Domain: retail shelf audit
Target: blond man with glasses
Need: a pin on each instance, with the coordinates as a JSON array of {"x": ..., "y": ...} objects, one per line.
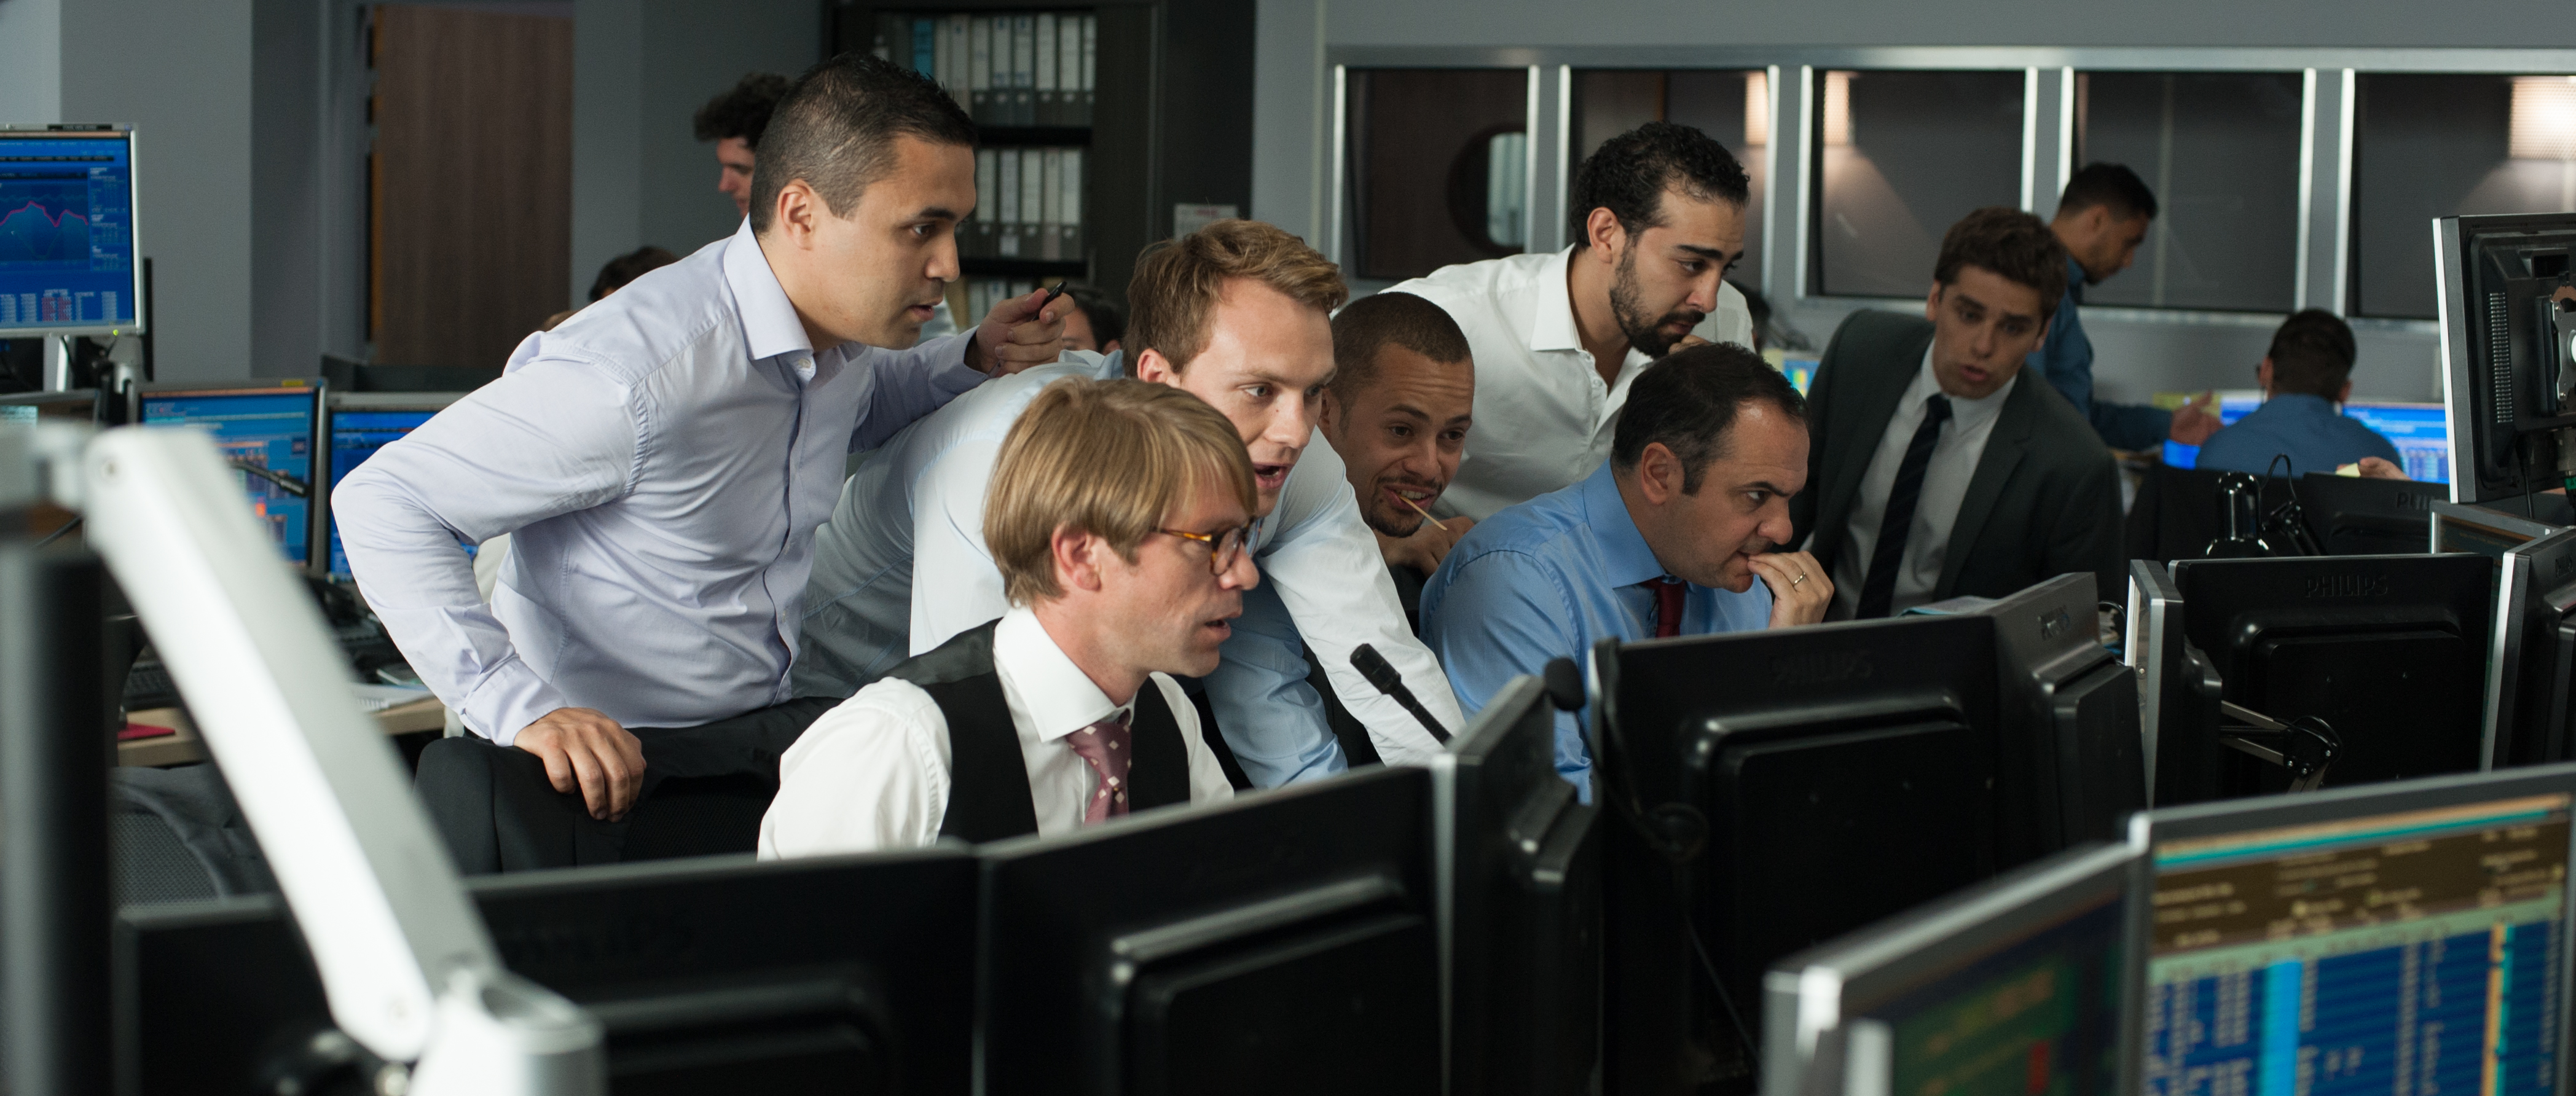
[{"x": 1117, "y": 517}]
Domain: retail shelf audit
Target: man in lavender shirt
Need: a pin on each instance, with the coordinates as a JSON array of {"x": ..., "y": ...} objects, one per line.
[{"x": 663, "y": 458}]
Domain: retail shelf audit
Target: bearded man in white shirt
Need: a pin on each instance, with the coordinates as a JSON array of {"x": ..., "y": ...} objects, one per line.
[
  {"x": 1118, "y": 516},
  {"x": 1657, "y": 218}
]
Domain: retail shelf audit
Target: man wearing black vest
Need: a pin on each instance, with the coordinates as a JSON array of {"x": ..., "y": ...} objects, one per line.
[
  {"x": 1935, "y": 468},
  {"x": 1117, "y": 517}
]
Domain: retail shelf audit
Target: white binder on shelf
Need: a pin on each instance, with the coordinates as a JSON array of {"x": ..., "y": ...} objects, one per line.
[
  {"x": 1024, "y": 76},
  {"x": 1090, "y": 69},
  {"x": 978, "y": 240},
  {"x": 1046, "y": 57},
  {"x": 1032, "y": 197},
  {"x": 979, "y": 68},
  {"x": 1009, "y": 244},
  {"x": 1069, "y": 199},
  {"x": 1050, "y": 202}
]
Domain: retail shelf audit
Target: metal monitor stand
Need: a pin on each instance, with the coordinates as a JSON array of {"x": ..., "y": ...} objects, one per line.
[{"x": 406, "y": 963}]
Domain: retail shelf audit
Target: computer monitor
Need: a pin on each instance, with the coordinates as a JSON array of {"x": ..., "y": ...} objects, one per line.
[
  {"x": 2178, "y": 692},
  {"x": 829, "y": 975},
  {"x": 2390, "y": 651},
  {"x": 1286, "y": 942},
  {"x": 2018, "y": 985},
  {"x": 2528, "y": 717},
  {"x": 359, "y": 424},
  {"x": 2408, "y": 937},
  {"x": 2420, "y": 431},
  {"x": 80, "y": 405},
  {"x": 2490, "y": 532},
  {"x": 1770, "y": 791},
  {"x": 68, "y": 261},
  {"x": 2355, "y": 516},
  {"x": 2233, "y": 404},
  {"x": 1521, "y": 890},
  {"x": 2507, "y": 371},
  {"x": 262, "y": 427},
  {"x": 2070, "y": 727}
]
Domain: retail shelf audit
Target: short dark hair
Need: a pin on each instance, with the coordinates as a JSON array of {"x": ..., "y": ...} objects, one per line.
[
  {"x": 1688, "y": 401},
  {"x": 1108, "y": 321},
  {"x": 628, "y": 267},
  {"x": 836, "y": 129},
  {"x": 1372, "y": 323},
  {"x": 743, "y": 110},
  {"x": 2008, "y": 243},
  {"x": 2312, "y": 354},
  {"x": 1629, "y": 174},
  {"x": 2113, "y": 185}
]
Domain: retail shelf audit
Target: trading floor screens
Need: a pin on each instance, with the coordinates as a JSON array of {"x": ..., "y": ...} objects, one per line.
[{"x": 266, "y": 432}]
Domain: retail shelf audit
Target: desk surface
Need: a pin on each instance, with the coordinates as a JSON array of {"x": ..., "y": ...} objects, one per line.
[{"x": 185, "y": 747}]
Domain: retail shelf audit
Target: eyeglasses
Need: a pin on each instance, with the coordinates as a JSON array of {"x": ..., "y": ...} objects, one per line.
[{"x": 1222, "y": 547}]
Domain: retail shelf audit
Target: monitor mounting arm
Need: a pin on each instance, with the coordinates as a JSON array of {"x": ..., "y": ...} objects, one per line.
[
  {"x": 2305, "y": 746},
  {"x": 405, "y": 960}
]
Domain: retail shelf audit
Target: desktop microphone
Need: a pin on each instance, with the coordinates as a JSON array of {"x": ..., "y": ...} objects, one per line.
[{"x": 1374, "y": 667}]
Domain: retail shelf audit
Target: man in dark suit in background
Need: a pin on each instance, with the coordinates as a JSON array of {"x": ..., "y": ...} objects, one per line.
[{"x": 1934, "y": 468}]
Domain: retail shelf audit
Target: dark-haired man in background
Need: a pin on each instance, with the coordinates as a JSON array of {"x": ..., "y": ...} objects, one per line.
[
  {"x": 2306, "y": 373},
  {"x": 1096, "y": 323},
  {"x": 1937, "y": 471},
  {"x": 734, "y": 121},
  {"x": 1398, "y": 411},
  {"x": 1666, "y": 538},
  {"x": 2101, "y": 219},
  {"x": 666, "y": 454},
  {"x": 1657, "y": 216}
]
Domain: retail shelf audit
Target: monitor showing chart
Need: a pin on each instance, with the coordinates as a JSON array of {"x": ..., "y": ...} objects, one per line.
[
  {"x": 260, "y": 429},
  {"x": 356, "y": 434},
  {"x": 2416, "y": 951},
  {"x": 2420, "y": 431},
  {"x": 67, "y": 244}
]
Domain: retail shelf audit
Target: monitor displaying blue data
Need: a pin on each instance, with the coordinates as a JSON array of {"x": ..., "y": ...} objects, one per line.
[
  {"x": 2416, "y": 952},
  {"x": 67, "y": 248},
  {"x": 2420, "y": 431},
  {"x": 260, "y": 429},
  {"x": 355, "y": 436}
]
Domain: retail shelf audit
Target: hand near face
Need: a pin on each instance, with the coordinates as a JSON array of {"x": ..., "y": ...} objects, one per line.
[
  {"x": 1017, "y": 334},
  {"x": 587, "y": 752},
  {"x": 1428, "y": 545},
  {"x": 2193, "y": 423},
  {"x": 1795, "y": 600}
]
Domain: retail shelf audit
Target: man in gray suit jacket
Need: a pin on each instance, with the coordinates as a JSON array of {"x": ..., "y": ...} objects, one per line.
[{"x": 1934, "y": 469}]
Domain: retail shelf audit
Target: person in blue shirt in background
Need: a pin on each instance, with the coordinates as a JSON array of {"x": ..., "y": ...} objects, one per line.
[
  {"x": 1665, "y": 538},
  {"x": 2102, "y": 218},
  {"x": 2305, "y": 376}
]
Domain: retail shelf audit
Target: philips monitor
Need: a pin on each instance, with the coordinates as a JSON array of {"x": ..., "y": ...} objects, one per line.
[
  {"x": 2354, "y": 516},
  {"x": 267, "y": 430},
  {"x": 1283, "y": 943},
  {"x": 2018, "y": 985},
  {"x": 2487, "y": 531},
  {"x": 2508, "y": 313},
  {"x": 359, "y": 424},
  {"x": 2532, "y": 658},
  {"x": 2178, "y": 692},
  {"x": 1766, "y": 792},
  {"x": 2070, "y": 727},
  {"x": 2401, "y": 938},
  {"x": 829, "y": 975},
  {"x": 2390, "y": 651},
  {"x": 68, "y": 257},
  {"x": 1521, "y": 887}
]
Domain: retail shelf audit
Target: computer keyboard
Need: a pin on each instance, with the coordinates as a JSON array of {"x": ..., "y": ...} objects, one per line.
[
  {"x": 148, "y": 685},
  {"x": 363, "y": 644}
]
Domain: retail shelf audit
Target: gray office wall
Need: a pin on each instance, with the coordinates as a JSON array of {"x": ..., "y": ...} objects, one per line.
[
  {"x": 2135, "y": 358},
  {"x": 31, "y": 61}
]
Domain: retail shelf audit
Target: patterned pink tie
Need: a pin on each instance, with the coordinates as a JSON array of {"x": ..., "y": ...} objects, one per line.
[{"x": 1105, "y": 745}]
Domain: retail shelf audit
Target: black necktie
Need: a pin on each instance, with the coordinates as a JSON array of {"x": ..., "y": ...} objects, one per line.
[{"x": 1878, "y": 591}]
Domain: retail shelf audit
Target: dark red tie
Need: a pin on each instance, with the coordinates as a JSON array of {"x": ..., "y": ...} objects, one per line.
[{"x": 1668, "y": 606}]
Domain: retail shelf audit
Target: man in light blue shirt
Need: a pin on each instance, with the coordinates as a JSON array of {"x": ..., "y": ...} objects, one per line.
[
  {"x": 1235, "y": 314},
  {"x": 2305, "y": 374},
  {"x": 663, "y": 457},
  {"x": 1666, "y": 538}
]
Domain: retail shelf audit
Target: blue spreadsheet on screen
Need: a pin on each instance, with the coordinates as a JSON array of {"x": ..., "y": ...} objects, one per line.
[
  {"x": 66, "y": 232},
  {"x": 355, "y": 436},
  {"x": 2415, "y": 953},
  {"x": 2420, "y": 431},
  {"x": 269, "y": 428}
]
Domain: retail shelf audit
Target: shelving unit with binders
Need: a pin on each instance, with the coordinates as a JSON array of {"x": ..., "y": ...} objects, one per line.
[{"x": 1094, "y": 122}]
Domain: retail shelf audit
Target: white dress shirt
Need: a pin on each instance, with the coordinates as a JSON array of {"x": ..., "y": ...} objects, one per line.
[
  {"x": 902, "y": 566},
  {"x": 1945, "y": 486},
  {"x": 1544, "y": 419},
  {"x": 662, "y": 459},
  {"x": 873, "y": 773}
]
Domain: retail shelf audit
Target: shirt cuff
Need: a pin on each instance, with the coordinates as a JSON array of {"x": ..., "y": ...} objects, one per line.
[
  {"x": 956, "y": 377},
  {"x": 507, "y": 700}
]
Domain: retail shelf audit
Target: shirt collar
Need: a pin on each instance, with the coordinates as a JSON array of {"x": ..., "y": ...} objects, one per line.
[
  {"x": 1964, "y": 412},
  {"x": 1056, "y": 695},
  {"x": 1553, "y": 328},
  {"x": 769, "y": 324},
  {"x": 1625, "y": 558},
  {"x": 2301, "y": 403}
]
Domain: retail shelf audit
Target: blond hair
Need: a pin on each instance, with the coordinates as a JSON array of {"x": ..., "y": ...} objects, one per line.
[
  {"x": 1172, "y": 299},
  {"x": 1111, "y": 458}
]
